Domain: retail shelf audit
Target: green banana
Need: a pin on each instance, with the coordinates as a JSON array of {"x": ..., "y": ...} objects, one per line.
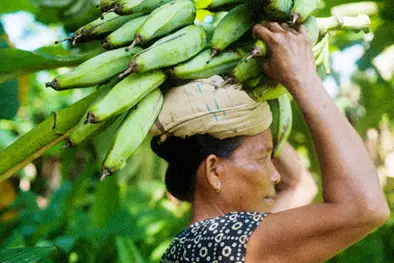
[
  {"x": 99, "y": 27},
  {"x": 170, "y": 50},
  {"x": 107, "y": 5},
  {"x": 219, "y": 5},
  {"x": 278, "y": 9},
  {"x": 282, "y": 122},
  {"x": 197, "y": 67},
  {"x": 263, "y": 92},
  {"x": 165, "y": 19},
  {"x": 83, "y": 130},
  {"x": 236, "y": 23},
  {"x": 246, "y": 69},
  {"x": 132, "y": 132},
  {"x": 94, "y": 71},
  {"x": 123, "y": 35},
  {"x": 125, "y": 95},
  {"x": 125, "y": 7},
  {"x": 302, "y": 9}
]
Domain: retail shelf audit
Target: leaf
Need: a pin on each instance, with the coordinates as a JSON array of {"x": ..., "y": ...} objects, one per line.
[
  {"x": 11, "y": 6},
  {"x": 21, "y": 62},
  {"x": 41, "y": 138},
  {"x": 9, "y": 102},
  {"x": 106, "y": 203},
  {"x": 127, "y": 251},
  {"x": 25, "y": 255}
]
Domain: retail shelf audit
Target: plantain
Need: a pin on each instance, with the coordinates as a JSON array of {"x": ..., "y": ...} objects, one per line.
[
  {"x": 263, "y": 91},
  {"x": 132, "y": 132},
  {"x": 123, "y": 35},
  {"x": 302, "y": 9},
  {"x": 235, "y": 24},
  {"x": 94, "y": 71},
  {"x": 245, "y": 70},
  {"x": 170, "y": 50},
  {"x": 197, "y": 67},
  {"x": 107, "y": 5},
  {"x": 83, "y": 130},
  {"x": 278, "y": 9},
  {"x": 125, "y": 95},
  {"x": 99, "y": 27},
  {"x": 165, "y": 19},
  {"x": 220, "y": 5},
  {"x": 282, "y": 122},
  {"x": 125, "y": 7}
]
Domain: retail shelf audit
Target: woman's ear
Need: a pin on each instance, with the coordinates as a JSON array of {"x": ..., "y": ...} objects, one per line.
[{"x": 212, "y": 172}]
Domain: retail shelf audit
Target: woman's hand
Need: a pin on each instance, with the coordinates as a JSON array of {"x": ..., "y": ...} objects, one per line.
[
  {"x": 297, "y": 186},
  {"x": 290, "y": 60}
]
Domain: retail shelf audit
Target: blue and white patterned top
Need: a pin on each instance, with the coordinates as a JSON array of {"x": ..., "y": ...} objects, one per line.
[{"x": 222, "y": 239}]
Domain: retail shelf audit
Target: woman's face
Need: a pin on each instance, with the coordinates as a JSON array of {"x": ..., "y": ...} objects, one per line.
[{"x": 249, "y": 177}]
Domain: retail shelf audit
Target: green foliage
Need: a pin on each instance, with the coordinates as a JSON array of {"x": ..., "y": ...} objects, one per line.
[
  {"x": 21, "y": 62},
  {"x": 128, "y": 217},
  {"x": 25, "y": 255}
]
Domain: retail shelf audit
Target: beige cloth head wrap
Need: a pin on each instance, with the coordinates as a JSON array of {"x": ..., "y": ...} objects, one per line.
[{"x": 206, "y": 106}]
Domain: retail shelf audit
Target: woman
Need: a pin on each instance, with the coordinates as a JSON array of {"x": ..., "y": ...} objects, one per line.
[{"x": 231, "y": 182}]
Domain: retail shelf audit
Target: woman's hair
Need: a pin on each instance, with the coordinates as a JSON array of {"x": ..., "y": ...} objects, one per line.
[{"x": 184, "y": 156}]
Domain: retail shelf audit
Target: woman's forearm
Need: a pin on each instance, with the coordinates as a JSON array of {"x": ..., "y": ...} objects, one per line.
[{"x": 349, "y": 175}]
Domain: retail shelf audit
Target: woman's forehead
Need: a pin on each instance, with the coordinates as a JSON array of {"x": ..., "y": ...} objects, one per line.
[{"x": 261, "y": 142}]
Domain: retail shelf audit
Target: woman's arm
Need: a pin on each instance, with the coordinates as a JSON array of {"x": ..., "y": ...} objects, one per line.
[
  {"x": 354, "y": 203},
  {"x": 297, "y": 186}
]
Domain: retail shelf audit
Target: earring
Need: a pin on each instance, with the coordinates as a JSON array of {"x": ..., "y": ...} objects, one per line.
[
  {"x": 277, "y": 181},
  {"x": 217, "y": 190}
]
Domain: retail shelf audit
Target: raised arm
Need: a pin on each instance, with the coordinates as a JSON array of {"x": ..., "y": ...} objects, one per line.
[
  {"x": 297, "y": 186},
  {"x": 354, "y": 203}
]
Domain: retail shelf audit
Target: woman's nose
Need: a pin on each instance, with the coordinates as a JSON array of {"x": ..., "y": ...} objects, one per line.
[{"x": 275, "y": 176}]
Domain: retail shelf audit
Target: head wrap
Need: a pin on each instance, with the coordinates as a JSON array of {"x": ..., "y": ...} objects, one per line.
[{"x": 209, "y": 106}]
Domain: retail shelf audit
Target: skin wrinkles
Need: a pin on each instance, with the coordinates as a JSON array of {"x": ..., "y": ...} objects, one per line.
[{"x": 246, "y": 179}]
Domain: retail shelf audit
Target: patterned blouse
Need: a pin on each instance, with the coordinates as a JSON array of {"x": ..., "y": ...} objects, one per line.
[{"x": 222, "y": 239}]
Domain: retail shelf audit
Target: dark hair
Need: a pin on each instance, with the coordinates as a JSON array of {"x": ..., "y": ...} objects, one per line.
[{"x": 184, "y": 156}]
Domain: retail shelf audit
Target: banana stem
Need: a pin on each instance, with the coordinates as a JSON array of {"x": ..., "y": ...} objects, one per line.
[
  {"x": 347, "y": 23},
  {"x": 41, "y": 138}
]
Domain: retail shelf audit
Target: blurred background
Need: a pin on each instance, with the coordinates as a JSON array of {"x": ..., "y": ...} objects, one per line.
[{"x": 57, "y": 201}]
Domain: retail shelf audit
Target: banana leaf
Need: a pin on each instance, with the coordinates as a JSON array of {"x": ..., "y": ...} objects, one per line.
[
  {"x": 17, "y": 62},
  {"x": 25, "y": 255},
  {"x": 41, "y": 138}
]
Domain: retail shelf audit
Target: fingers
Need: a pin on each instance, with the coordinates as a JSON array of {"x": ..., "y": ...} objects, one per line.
[
  {"x": 288, "y": 28},
  {"x": 263, "y": 33},
  {"x": 273, "y": 26}
]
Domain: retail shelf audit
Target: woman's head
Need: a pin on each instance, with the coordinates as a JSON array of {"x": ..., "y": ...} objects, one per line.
[{"x": 236, "y": 173}]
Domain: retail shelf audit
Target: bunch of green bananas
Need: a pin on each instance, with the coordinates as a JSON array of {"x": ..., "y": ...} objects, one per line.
[{"x": 167, "y": 43}]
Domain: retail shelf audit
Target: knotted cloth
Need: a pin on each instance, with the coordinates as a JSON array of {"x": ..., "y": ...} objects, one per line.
[{"x": 209, "y": 106}]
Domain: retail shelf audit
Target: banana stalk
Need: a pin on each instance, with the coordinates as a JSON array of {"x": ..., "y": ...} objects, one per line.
[
  {"x": 125, "y": 95},
  {"x": 41, "y": 138},
  {"x": 361, "y": 22},
  {"x": 132, "y": 132},
  {"x": 95, "y": 70}
]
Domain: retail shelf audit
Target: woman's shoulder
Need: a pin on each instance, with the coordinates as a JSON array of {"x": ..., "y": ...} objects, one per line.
[{"x": 219, "y": 238}]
